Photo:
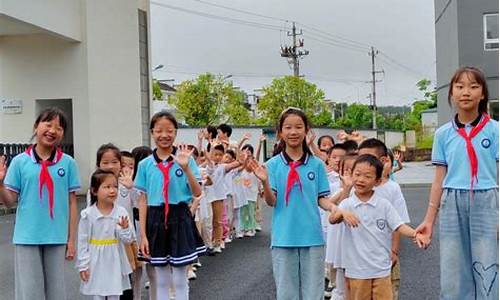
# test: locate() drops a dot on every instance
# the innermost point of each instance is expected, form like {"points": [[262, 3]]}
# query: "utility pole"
{"points": [[292, 52], [373, 97]]}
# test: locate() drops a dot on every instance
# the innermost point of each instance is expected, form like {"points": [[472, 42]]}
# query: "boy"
{"points": [[127, 160], [367, 242]]}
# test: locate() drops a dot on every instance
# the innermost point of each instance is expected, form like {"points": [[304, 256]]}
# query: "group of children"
{"points": [[335, 208]]}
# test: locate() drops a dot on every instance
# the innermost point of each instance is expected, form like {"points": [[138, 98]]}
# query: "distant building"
{"points": [[466, 35], [429, 121]]}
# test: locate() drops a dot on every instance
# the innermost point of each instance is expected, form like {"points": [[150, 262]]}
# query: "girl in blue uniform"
{"points": [[168, 180], [465, 192], [43, 180], [295, 183]]}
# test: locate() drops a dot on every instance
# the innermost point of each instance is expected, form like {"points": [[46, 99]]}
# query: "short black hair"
{"points": [[219, 147], [328, 137], [212, 130], [195, 150], [376, 144], [105, 148], [248, 147], [350, 146], [226, 129], [231, 152], [372, 161], [126, 154]]}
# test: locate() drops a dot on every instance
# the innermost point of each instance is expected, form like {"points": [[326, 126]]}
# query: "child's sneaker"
{"points": [[250, 233], [217, 250], [228, 240], [210, 252], [191, 275], [146, 285], [223, 245], [239, 235], [258, 228], [197, 264]]}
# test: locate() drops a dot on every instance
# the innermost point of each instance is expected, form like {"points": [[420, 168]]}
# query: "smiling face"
{"points": [[164, 133], [108, 190], [364, 177], [466, 93], [49, 133], [128, 162], [293, 131], [325, 144], [335, 157], [110, 162]]}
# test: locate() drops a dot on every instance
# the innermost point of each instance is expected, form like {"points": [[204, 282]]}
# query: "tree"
{"points": [[209, 99], [157, 93], [356, 116], [292, 91], [423, 86]]}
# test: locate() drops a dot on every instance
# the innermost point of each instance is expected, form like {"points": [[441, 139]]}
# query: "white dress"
{"points": [[333, 231], [101, 252]]}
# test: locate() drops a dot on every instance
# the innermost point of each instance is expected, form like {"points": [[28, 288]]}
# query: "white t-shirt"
{"points": [[366, 249], [251, 185], [392, 192], [228, 181], [216, 191], [239, 198]]}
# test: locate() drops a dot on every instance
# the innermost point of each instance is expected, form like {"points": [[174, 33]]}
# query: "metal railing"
{"points": [[11, 150]]}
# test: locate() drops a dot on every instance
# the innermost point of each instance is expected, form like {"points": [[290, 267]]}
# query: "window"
{"points": [[493, 109], [490, 27]]}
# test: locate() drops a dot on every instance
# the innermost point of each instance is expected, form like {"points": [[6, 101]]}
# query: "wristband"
{"points": [[433, 205]]}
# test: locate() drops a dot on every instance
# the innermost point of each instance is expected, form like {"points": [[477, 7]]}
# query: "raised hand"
{"points": [[259, 170], [311, 136], [201, 135], [357, 137], [342, 136], [126, 177], [183, 155], [85, 275], [123, 222], [242, 157], [3, 168], [262, 138], [246, 136], [347, 182]]}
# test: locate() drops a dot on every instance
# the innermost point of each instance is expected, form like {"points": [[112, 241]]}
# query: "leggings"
{"points": [[137, 275], [165, 276]]}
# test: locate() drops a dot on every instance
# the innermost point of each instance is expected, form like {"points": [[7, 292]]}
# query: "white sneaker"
{"points": [[223, 245], [197, 264], [228, 240], [191, 275], [239, 235], [146, 285], [250, 233], [217, 250], [258, 227]]}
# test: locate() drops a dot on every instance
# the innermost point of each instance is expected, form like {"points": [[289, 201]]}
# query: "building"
{"points": [[466, 35], [429, 121], [89, 58]]}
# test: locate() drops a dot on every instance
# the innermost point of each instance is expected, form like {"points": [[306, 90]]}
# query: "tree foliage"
{"points": [[209, 99], [157, 93], [291, 91]]}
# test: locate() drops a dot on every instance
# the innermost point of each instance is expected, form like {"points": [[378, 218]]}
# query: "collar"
{"points": [[37, 159], [287, 159], [99, 215], [373, 200], [473, 123], [170, 158]]}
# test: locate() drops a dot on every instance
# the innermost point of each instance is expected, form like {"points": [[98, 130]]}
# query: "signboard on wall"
{"points": [[11, 107]]}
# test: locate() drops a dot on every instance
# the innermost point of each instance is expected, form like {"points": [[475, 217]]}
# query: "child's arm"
{"points": [[341, 215], [245, 138], [261, 173], [83, 255], [7, 197], [406, 231], [314, 148], [182, 159], [125, 234], [434, 203], [240, 161], [143, 212], [259, 147], [73, 223]]}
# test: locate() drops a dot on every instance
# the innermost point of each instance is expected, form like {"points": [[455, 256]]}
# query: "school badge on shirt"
{"points": [[486, 143], [61, 172], [178, 172], [381, 224], [311, 176]]}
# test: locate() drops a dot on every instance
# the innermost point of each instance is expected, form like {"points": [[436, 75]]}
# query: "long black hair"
{"points": [[288, 112]]}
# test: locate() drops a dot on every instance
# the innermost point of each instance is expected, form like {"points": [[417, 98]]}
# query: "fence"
{"points": [[11, 150]]}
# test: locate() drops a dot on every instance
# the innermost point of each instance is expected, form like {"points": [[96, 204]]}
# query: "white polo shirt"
{"points": [[392, 192], [366, 249], [217, 191]]}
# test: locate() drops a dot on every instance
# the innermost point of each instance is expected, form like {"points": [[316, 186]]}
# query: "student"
{"points": [[168, 181], [43, 180], [250, 192], [390, 190], [367, 240], [465, 192], [128, 160], [229, 157], [295, 183], [224, 132], [102, 259]]}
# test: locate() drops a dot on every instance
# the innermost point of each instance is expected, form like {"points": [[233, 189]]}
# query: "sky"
{"points": [[242, 38]]}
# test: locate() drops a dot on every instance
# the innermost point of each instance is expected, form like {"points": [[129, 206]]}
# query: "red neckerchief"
{"points": [[165, 170], [293, 176], [471, 152], [44, 177]]}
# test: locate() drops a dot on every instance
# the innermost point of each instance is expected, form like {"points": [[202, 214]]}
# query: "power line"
{"points": [[241, 11], [329, 43], [402, 66]]}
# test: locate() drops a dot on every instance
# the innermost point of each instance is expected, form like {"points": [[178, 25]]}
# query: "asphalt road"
{"points": [[244, 270]]}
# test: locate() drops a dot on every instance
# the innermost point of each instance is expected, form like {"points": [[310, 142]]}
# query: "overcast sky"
{"points": [[337, 34]]}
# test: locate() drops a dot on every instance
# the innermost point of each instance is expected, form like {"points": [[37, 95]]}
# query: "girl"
{"points": [[102, 260], [250, 192], [295, 182], [466, 193], [43, 180], [168, 180]]}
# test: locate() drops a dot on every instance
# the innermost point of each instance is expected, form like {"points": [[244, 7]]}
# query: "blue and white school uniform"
{"points": [[41, 228], [468, 214], [173, 239], [296, 235]]}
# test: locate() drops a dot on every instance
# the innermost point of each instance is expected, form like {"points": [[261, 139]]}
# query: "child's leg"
{"points": [[312, 272], [180, 282], [244, 218], [28, 270], [395, 279], [136, 283], [360, 289], [53, 265], [258, 211], [151, 271], [286, 272], [163, 282], [340, 288], [381, 288], [225, 225], [217, 208], [484, 243], [236, 221], [251, 216]]}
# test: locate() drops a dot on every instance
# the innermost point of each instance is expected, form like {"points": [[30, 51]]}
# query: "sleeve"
{"points": [[322, 180], [74, 176], [83, 254], [495, 141], [13, 179], [392, 217], [400, 204], [89, 199], [127, 235], [194, 168], [140, 178], [270, 172], [438, 151]]}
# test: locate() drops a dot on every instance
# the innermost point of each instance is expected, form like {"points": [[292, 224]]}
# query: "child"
{"points": [[43, 180], [250, 192], [168, 181], [128, 160], [295, 183], [367, 241], [390, 190], [229, 157], [465, 189], [102, 260]]}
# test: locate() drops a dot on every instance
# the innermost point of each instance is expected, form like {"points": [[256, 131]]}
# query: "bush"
{"points": [[425, 142]]}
